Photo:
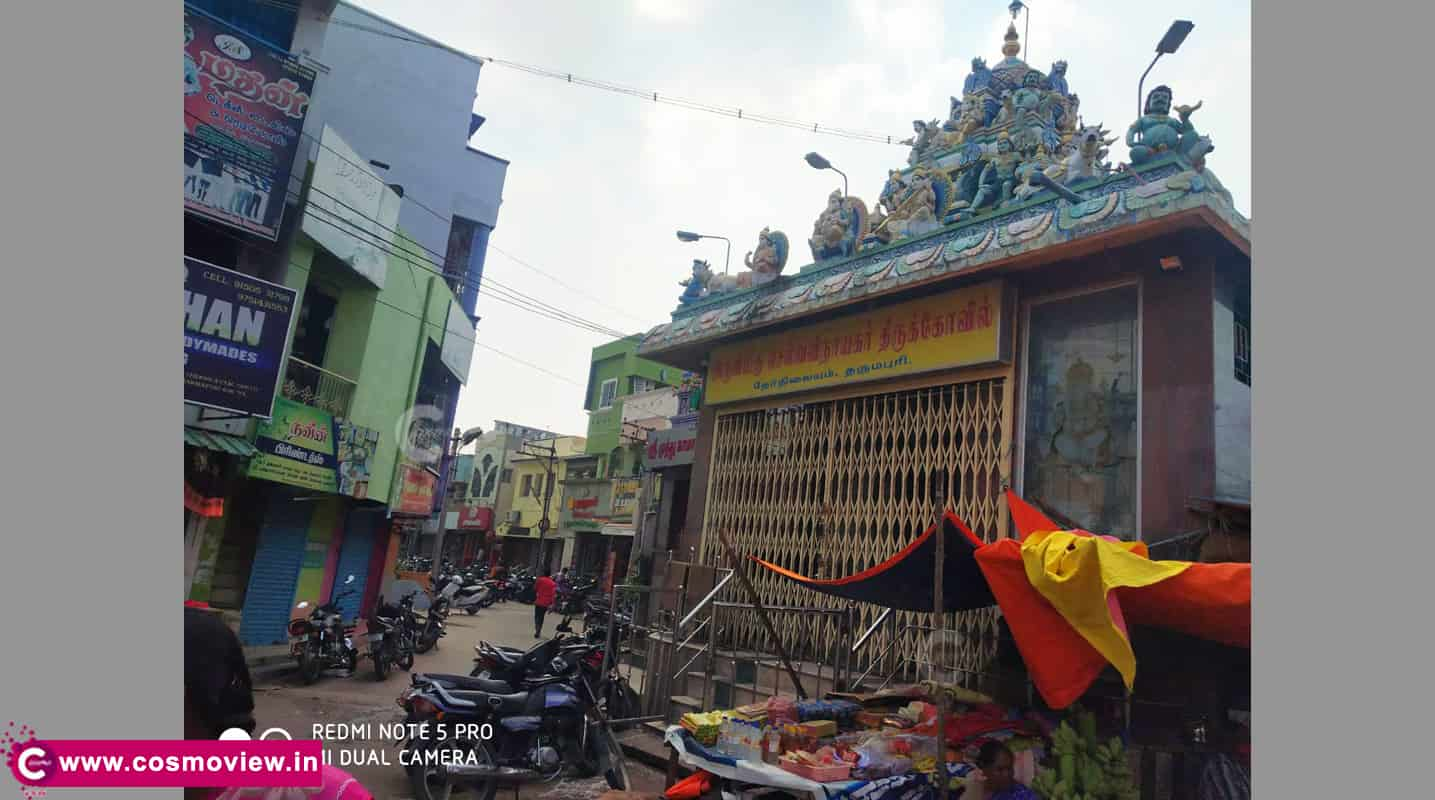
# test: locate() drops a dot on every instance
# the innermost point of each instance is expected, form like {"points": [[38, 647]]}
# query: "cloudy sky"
{"points": [[599, 182]]}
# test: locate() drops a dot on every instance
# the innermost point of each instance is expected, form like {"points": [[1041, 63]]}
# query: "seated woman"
{"points": [[996, 780]]}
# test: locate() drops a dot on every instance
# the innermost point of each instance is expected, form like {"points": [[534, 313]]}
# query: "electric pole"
{"points": [[550, 456]]}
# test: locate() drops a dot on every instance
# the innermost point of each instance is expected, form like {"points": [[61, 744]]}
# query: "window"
{"points": [[1079, 449], [507, 476], [485, 477], [1243, 336], [608, 393], [527, 489], [641, 385], [615, 463]]}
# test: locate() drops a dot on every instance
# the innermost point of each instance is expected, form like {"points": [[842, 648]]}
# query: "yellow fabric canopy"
{"points": [[1076, 572]]}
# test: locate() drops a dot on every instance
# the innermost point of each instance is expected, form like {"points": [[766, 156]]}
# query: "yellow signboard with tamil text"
{"points": [[964, 327]]}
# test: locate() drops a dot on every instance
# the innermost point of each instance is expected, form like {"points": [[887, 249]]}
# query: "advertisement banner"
{"points": [[296, 447], [235, 328], [351, 213], [965, 327], [474, 517], [306, 447], [625, 498], [357, 447], [416, 490], [244, 108], [672, 447]]}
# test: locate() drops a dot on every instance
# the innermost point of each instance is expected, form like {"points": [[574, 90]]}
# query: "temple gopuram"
{"points": [[1012, 311]]}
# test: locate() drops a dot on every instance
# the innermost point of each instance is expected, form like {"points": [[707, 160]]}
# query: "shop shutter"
{"points": [[355, 553], [277, 560], [829, 488]]}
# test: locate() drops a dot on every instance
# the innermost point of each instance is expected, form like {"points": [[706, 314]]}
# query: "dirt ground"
{"points": [[357, 706]]}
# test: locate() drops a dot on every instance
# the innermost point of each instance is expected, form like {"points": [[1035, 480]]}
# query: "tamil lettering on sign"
{"points": [[234, 332], [351, 212], [296, 447], [671, 448], [416, 490], [965, 327], [244, 109], [306, 447]]}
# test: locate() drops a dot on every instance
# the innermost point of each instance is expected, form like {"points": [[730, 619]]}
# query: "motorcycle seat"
{"points": [[471, 684], [500, 703]]}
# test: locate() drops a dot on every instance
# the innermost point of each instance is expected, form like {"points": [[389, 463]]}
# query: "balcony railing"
{"points": [[317, 387]]}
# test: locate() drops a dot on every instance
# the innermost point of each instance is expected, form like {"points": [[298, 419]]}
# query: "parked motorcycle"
{"points": [[432, 628], [552, 726], [392, 631], [321, 640]]}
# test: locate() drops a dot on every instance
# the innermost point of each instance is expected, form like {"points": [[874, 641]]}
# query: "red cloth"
{"points": [[543, 591], [1060, 662]]}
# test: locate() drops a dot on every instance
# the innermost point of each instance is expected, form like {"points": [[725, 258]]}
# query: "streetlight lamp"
{"points": [[816, 161], [689, 236], [1169, 43], [1016, 7]]}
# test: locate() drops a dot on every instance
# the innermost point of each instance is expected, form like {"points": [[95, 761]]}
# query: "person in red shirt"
{"points": [[544, 590]]}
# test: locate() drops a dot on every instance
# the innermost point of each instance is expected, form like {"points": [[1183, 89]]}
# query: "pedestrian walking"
{"points": [[219, 696], [544, 590]]}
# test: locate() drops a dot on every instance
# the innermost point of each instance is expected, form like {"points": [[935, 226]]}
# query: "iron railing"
{"points": [[315, 386]]}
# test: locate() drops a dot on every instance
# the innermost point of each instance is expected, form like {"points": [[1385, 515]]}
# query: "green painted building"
{"points": [[616, 372]]}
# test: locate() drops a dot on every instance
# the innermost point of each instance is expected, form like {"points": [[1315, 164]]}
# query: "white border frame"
{"points": [[601, 387], [1023, 359]]}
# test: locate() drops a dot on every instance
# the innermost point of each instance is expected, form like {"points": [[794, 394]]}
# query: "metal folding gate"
{"points": [[833, 487]]}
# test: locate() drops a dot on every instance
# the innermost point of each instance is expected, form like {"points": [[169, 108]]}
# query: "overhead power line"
{"points": [[219, 228], [733, 112]]}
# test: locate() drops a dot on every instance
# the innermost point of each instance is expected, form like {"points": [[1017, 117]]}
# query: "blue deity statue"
{"points": [[1157, 132]]}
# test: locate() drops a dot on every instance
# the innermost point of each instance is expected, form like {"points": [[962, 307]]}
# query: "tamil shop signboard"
{"points": [[244, 109], [672, 447], [961, 328], [305, 447], [235, 327], [416, 490]]}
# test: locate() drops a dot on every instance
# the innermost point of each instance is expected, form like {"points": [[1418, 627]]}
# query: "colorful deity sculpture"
{"points": [[1156, 132], [695, 287], [914, 204], [767, 261], [840, 228]]}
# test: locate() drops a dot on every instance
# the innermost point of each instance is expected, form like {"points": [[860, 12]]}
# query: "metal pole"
{"points": [[448, 464], [549, 474], [845, 193], [939, 632], [1140, 92], [737, 566]]}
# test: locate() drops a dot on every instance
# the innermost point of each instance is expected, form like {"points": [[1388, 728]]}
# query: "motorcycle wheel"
{"points": [[310, 665], [425, 643], [432, 782], [381, 663], [405, 658], [615, 771]]}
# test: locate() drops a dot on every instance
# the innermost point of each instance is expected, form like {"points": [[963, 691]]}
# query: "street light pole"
{"points": [[689, 236], [1170, 43], [816, 161]]}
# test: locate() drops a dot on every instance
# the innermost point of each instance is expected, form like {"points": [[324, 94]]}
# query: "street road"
{"points": [[362, 703]]}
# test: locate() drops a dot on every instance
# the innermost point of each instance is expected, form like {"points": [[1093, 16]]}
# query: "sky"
{"points": [[599, 182]]}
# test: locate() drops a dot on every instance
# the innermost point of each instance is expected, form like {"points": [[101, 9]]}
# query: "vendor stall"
{"points": [[1067, 595]]}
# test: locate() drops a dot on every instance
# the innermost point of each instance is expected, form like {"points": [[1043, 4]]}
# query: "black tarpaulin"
{"points": [[904, 581]]}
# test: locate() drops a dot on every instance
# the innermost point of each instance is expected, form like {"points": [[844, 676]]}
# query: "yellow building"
{"points": [[540, 463]]}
